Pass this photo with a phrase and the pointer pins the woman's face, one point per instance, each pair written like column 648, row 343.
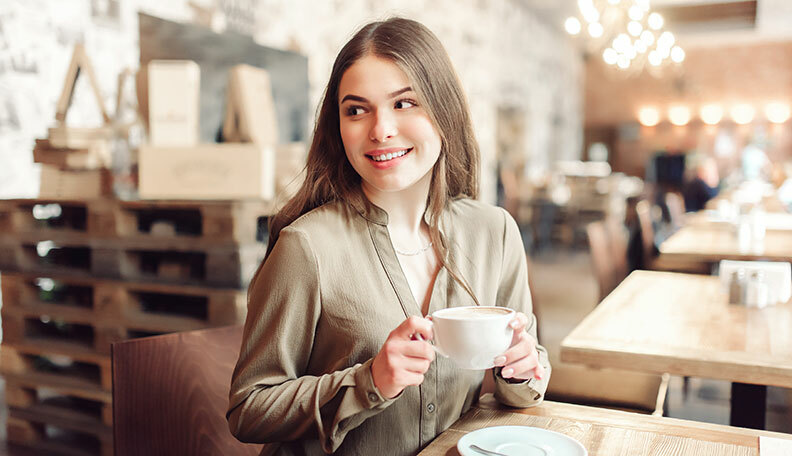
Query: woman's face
column 389, row 139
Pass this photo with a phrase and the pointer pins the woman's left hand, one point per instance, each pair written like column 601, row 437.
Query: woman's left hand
column 521, row 361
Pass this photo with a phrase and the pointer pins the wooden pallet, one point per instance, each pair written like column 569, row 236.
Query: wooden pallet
column 156, row 224
column 54, row 421
column 87, row 315
column 130, row 260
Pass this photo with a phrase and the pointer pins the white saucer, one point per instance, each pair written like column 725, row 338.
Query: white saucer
column 520, row 441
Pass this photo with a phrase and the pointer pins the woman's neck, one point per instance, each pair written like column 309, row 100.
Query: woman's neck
column 405, row 210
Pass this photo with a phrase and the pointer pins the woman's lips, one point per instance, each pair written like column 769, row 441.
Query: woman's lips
column 388, row 163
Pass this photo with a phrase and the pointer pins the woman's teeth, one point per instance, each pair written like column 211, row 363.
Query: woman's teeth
column 389, row 155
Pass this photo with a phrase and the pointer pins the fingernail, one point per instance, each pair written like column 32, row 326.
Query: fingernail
column 500, row 360
column 514, row 324
column 506, row 373
column 537, row 376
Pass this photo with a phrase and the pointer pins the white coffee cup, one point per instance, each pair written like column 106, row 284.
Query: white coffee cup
column 473, row 336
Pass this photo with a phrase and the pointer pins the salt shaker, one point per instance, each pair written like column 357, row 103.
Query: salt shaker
column 736, row 287
column 756, row 290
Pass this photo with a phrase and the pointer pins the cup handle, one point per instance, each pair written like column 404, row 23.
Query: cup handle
column 431, row 344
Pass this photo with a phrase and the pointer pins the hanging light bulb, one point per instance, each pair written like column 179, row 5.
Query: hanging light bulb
column 634, row 28
column 572, row 25
column 647, row 38
column 595, row 30
column 621, row 43
column 654, row 58
column 610, row 56
column 635, row 13
column 666, row 40
column 655, row 21
column 677, row 54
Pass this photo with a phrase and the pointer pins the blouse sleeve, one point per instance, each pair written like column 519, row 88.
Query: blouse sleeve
column 271, row 398
column 513, row 291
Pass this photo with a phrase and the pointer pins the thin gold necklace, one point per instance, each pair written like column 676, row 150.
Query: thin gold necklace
column 414, row 252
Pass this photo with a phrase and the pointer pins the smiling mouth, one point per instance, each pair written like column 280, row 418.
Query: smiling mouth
column 390, row 155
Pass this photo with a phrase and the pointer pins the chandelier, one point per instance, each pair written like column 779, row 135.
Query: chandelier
column 627, row 34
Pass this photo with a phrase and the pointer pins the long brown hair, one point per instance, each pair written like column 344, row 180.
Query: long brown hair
column 328, row 174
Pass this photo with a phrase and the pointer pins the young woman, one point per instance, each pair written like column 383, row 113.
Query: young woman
column 383, row 232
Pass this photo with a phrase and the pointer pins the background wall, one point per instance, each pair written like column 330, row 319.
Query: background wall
column 507, row 59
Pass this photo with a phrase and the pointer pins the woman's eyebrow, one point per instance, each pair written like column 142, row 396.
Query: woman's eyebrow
column 363, row 100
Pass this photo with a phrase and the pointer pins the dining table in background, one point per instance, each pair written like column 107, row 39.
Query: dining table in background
column 682, row 324
column 605, row 432
column 707, row 243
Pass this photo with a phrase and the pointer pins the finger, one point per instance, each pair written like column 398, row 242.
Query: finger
column 519, row 322
column 418, row 349
column 521, row 368
column 415, row 365
column 413, row 325
column 525, row 345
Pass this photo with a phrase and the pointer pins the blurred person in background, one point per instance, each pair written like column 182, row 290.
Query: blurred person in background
column 704, row 184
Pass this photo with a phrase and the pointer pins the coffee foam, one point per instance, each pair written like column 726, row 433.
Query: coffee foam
column 474, row 312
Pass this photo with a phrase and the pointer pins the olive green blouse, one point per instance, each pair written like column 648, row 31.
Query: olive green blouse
column 327, row 297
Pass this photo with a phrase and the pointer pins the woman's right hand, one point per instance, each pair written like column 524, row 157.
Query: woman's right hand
column 403, row 358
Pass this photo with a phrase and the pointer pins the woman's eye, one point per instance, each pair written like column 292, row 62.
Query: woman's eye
column 354, row 111
column 404, row 104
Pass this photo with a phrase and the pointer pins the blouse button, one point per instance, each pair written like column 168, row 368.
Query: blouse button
column 373, row 397
column 430, row 408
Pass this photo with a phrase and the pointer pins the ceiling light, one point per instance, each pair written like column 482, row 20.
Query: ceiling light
column 648, row 116
column 777, row 112
column 742, row 113
column 711, row 114
column 679, row 115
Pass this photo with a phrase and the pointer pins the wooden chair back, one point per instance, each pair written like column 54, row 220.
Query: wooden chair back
column 618, row 240
column 601, row 257
column 676, row 208
column 644, row 211
column 170, row 394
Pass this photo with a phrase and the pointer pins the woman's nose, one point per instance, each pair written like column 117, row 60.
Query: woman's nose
column 384, row 127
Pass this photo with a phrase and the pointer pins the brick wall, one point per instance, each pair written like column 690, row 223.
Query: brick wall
column 505, row 56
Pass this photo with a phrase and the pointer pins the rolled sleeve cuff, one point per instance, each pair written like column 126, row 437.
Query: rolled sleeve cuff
column 369, row 395
column 520, row 394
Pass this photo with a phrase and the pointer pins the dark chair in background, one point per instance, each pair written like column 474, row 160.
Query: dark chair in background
column 170, row 394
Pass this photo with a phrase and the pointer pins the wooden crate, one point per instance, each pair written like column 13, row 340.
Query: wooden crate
column 157, row 224
column 131, row 260
column 87, row 315
column 54, row 421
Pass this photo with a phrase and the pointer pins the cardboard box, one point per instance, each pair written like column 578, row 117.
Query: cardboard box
column 96, row 156
column 207, row 171
column 64, row 184
column 173, row 102
column 250, row 110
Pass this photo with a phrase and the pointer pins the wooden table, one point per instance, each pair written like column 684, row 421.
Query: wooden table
column 705, row 243
column 607, row 432
column 682, row 324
